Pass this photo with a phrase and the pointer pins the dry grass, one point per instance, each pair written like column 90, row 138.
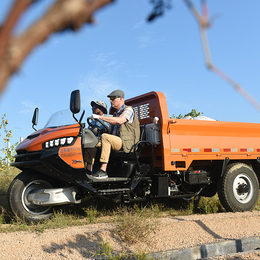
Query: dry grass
column 133, row 221
column 133, row 225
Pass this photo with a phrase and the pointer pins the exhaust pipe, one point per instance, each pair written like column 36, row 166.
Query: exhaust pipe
column 55, row 196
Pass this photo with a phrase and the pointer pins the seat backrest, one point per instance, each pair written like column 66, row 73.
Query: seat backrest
column 153, row 133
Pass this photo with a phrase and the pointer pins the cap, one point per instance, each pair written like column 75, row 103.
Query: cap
column 100, row 104
column 117, row 93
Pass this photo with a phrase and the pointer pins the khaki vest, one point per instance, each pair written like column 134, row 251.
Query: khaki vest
column 130, row 133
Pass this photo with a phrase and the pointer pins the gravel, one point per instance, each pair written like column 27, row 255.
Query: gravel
column 171, row 233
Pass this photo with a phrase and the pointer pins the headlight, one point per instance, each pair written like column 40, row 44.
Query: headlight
column 58, row 142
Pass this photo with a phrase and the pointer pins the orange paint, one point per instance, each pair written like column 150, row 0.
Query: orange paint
column 186, row 141
column 72, row 155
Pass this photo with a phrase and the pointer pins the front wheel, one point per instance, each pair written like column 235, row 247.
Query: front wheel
column 20, row 188
column 238, row 189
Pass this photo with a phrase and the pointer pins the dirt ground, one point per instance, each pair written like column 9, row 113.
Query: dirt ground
column 172, row 233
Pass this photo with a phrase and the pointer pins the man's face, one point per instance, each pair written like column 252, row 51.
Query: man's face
column 116, row 102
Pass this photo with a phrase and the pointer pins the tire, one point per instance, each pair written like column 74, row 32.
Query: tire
column 238, row 189
column 18, row 193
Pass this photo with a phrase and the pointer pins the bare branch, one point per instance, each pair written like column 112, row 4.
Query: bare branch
column 18, row 8
column 159, row 7
column 63, row 15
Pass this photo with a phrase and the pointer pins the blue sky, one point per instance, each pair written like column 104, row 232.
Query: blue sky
column 123, row 51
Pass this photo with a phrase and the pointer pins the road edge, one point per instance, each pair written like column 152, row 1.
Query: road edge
column 210, row 250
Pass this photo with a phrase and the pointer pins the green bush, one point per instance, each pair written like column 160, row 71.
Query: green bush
column 105, row 251
column 135, row 224
column 91, row 213
column 7, row 151
column 210, row 205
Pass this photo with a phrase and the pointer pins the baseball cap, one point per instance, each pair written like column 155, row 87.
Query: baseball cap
column 117, row 93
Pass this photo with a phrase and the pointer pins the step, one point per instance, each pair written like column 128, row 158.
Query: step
column 111, row 191
column 109, row 179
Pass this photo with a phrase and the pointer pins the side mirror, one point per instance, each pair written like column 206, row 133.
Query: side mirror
column 75, row 101
column 35, row 117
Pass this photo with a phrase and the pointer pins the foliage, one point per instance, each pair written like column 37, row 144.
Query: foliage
column 106, row 252
column 135, row 224
column 192, row 113
column 91, row 213
column 142, row 216
column 210, row 205
column 7, row 151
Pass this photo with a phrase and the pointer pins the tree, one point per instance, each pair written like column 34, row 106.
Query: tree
column 72, row 15
column 192, row 113
column 63, row 15
column 8, row 151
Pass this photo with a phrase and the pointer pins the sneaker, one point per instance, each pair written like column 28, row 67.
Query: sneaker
column 88, row 172
column 100, row 174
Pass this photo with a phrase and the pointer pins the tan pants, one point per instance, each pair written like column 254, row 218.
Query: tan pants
column 108, row 142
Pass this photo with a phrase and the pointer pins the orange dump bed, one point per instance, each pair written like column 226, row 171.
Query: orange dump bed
column 183, row 142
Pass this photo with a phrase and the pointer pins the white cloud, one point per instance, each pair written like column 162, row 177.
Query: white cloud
column 147, row 38
column 111, row 63
column 96, row 86
column 102, row 58
column 144, row 40
column 138, row 25
column 100, row 81
column 29, row 107
column 105, row 61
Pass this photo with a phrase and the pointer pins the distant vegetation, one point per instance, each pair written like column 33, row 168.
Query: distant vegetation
column 8, row 150
column 192, row 113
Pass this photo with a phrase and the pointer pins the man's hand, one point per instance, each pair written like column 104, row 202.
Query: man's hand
column 94, row 116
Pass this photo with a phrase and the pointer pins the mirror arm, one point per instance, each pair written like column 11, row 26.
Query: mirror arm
column 75, row 118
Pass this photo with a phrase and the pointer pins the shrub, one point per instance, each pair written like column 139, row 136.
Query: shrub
column 7, row 151
column 133, row 225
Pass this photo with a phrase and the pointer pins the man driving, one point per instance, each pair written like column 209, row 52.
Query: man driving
column 125, row 131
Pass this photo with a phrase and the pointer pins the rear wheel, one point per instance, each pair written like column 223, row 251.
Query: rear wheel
column 18, row 196
column 238, row 189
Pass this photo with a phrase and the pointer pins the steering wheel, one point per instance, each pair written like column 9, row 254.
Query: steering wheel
column 106, row 130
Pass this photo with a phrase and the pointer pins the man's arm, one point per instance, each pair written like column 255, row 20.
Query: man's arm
column 113, row 120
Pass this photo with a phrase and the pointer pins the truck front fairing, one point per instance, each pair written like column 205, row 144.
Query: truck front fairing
column 56, row 148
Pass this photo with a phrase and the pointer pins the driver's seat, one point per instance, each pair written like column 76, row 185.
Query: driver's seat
column 134, row 155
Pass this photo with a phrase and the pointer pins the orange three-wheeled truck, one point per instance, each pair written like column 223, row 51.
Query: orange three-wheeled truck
column 175, row 158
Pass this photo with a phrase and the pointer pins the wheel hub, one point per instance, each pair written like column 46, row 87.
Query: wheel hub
column 32, row 187
column 243, row 188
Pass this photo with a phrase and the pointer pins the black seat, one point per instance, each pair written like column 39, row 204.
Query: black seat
column 134, row 155
column 122, row 155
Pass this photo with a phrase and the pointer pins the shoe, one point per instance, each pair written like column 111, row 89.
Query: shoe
column 88, row 172
column 100, row 174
